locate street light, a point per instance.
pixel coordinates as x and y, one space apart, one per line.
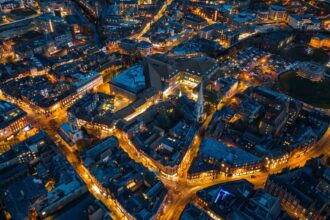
96 189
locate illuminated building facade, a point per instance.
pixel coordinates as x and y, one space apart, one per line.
220 158
70 132
304 22
13 119
278 13
319 41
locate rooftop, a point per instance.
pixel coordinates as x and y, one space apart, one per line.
20 194
221 152
83 79
9 113
302 184
213 153
278 8
131 79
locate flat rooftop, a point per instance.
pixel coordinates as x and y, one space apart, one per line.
131 79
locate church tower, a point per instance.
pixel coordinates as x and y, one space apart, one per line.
199 107
73 123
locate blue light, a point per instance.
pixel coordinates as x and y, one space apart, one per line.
221 195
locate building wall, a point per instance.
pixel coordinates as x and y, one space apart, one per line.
319 43
286 199
14 127
90 85
276 15
117 89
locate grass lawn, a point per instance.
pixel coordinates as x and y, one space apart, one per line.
313 93
298 53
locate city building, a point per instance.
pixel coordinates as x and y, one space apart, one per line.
59 197
84 83
278 13
129 82
191 211
85 207
226 86
244 22
13 119
135 188
94 110
145 48
218 157
18 196
29 171
238 200
164 109
40 93
161 133
303 190
188 71
304 22
99 152
210 31
194 21
70 131
320 41
10 5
